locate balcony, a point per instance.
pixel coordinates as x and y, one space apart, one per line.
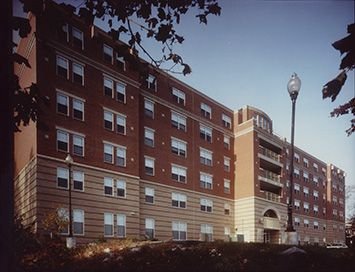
270 177
269 156
272 197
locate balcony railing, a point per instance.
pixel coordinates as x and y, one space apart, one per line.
272 196
268 153
269 175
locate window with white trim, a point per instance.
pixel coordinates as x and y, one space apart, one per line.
306 192
121 124
78 180
227 209
108 153
121 188
62 67
227 186
206 232
149 166
178 96
306 207
226 121
297 204
149 108
315 195
78 145
78 73
121 92
305 162
108 224
227 164
149 137
149 194
108 87
78 38
62 140
152 83
315 210
108 186
206 157
206 181
296 173
120 62
315 167
206 133
226 142
178 200
227 231
297 158
297 221
107 53
206 111
178 121
78 109
121 225
206 205
121 156
305 176
108 120
63 216
179 230
150 228
62 177
78 222
62 104
306 223
178 147
178 173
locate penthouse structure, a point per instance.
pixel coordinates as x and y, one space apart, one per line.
155 158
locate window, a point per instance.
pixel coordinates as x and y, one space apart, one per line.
296 173
315 210
178 96
62 104
178 173
78 145
149 108
297 204
78 109
315 180
121 188
149 137
306 223
206 111
206 232
305 162
149 195
108 87
78 38
206 181
305 177
226 121
306 192
179 230
178 121
108 224
78 73
62 67
206 205
121 156
178 200
121 124
78 180
108 120
108 153
121 225
149 228
108 53
227 186
205 157
149 166
296 188
120 62
62 141
65 31
152 83
227 231
315 195
63 216
227 162
78 222
206 133
62 177
315 167
108 186
297 221
227 209
121 92
306 207
178 147
297 158
226 142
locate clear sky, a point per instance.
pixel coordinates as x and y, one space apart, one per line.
247 55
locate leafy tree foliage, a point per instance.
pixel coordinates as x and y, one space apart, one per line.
346 46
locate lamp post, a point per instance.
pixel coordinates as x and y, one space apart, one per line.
293 87
70 239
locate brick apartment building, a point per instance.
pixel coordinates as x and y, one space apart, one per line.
159 159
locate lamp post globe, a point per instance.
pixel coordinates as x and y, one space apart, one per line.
294 86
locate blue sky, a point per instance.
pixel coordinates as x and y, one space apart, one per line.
247 55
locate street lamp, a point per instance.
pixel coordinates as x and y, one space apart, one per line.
70 239
293 87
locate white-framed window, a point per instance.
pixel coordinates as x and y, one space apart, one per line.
78 222
149 108
206 205
178 147
120 62
306 207
62 67
121 124
107 53
78 145
315 195
78 180
78 73
152 83
315 209
206 232
63 216
108 87
297 158
121 188
121 225
149 166
305 162
62 140
149 136
206 111
150 228
226 121
227 164
178 200
179 230
65 29
178 173
121 156
62 104
78 109
178 121
121 92
149 194
108 120
206 157
108 225
108 153
178 96
315 167
297 204
62 177
315 180
227 186
78 37
306 191
296 173
206 133
306 223
305 176
206 181
227 209
226 142
108 186
297 221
